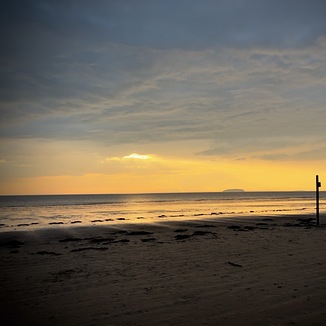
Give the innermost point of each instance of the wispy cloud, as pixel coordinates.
(133, 156)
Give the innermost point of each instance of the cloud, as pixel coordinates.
(218, 96)
(167, 24)
(318, 154)
(133, 156)
(246, 79)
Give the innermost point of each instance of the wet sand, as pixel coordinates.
(257, 271)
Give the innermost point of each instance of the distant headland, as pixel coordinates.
(233, 190)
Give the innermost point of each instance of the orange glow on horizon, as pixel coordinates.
(144, 175)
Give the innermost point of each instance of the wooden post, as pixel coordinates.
(318, 185)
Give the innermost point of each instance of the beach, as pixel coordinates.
(232, 271)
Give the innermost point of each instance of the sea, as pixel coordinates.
(48, 211)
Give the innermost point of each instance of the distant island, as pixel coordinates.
(233, 190)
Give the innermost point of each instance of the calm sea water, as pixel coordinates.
(30, 212)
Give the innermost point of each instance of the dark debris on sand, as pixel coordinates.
(194, 234)
(89, 248)
(148, 239)
(234, 264)
(12, 244)
(302, 222)
(182, 236)
(205, 226)
(139, 233)
(243, 229)
(202, 233)
(71, 240)
(100, 240)
(43, 252)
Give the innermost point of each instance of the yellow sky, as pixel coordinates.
(141, 173)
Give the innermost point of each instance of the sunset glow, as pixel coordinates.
(137, 157)
(109, 98)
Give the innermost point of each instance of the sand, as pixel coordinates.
(262, 271)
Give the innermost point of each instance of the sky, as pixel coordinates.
(134, 96)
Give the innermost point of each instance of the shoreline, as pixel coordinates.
(31, 212)
(120, 222)
(230, 271)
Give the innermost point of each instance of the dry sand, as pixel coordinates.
(222, 272)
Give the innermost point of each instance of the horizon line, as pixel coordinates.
(157, 193)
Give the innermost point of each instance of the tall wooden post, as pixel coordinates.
(318, 185)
